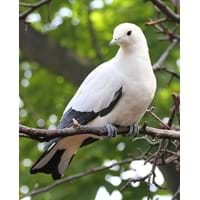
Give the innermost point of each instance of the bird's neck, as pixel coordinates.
(135, 59)
(135, 49)
(133, 53)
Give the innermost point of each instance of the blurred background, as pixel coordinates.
(60, 43)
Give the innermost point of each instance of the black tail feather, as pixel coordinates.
(52, 165)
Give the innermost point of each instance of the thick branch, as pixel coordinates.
(46, 135)
(166, 10)
(73, 177)
(40, 48)
(32, 7)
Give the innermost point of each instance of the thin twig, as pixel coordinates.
(29, 5)
(171, 152)
(150, 158)
(174, 74)
(174, 110)
(157, 21)
(134, 180)
(170, 34)
(33, 7)
(157, 118)
(156, 184)
(164, 55)
(74, 177)
(167, 160)
(176, 99)
(150, 174)
(166, 10)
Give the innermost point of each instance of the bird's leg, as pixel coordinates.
(111, 130)
(133, 131)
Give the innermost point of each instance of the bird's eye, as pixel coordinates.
(129, 32)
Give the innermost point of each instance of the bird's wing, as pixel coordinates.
(97, 96)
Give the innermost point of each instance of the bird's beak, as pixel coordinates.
(114, 41)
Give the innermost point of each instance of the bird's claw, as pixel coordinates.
(133, 131)
(111, 130)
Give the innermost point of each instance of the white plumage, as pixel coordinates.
(97, 90)
(130, 69)
(118, 92)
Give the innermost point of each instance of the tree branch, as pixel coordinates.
(170, 35)
(174, 110)
(151, 175)
(174, 74)
(154, 22)
(157, 118)
(74, 177)
(164, 55)
(42, 49)
(46, 135)
(166, 10)
(32, 7)
(29, 5)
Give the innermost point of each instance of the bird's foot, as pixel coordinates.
(111, 130)
(133, 131)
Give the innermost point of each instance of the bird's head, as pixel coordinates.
(127, 34)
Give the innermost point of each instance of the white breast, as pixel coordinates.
(136, 99)
(137, 94)
(139, 85)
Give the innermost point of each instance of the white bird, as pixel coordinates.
(117, 92)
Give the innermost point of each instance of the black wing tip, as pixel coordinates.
(33, 171)
(51, 167)
(56, 176)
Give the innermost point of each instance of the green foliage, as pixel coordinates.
(44, 94)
